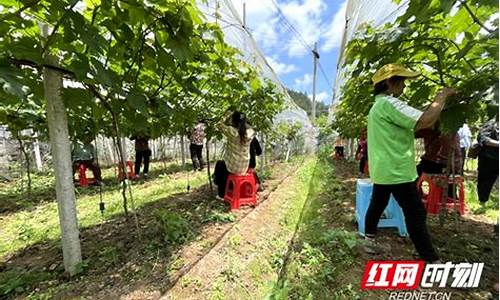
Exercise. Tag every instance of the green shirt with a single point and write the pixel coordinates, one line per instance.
(82, 152)
(391, 150)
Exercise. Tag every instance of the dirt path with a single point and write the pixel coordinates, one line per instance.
(238, 265)
(165, 273)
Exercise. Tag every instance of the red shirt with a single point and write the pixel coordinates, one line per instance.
(437, 146)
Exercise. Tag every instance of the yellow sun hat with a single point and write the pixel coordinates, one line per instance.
(391, 70)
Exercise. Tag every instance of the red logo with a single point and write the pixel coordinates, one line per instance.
(395, 275)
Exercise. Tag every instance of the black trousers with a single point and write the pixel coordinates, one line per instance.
(487, 174)
(220, 177)
(339, 150)
(429, 167)
(196, 156)
(464, 157)
(415, 215)
(139, 157)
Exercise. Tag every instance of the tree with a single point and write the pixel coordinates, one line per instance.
(127, 67)
(453, 43)
(61, 151)
(290, 132)
(303, 101)
(325, 128)
(466, 59)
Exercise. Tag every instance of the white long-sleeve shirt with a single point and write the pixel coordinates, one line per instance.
(465, 136)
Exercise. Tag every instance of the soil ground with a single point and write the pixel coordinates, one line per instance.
(120, 263)
(463, 239)
(300, 242)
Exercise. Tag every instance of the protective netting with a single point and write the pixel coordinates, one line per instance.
(235, 34)
(359, 13)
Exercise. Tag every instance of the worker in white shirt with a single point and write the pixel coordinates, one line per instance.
(465, 142)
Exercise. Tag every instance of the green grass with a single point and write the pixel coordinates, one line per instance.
(41, 223)
(490, 210)
(321, 254)
(166, 231)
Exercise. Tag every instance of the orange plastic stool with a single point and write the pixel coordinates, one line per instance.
(82, 176)
(241, 190)
(130, 170)
(432, 198)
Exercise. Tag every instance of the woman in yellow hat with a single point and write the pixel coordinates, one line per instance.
(391, 127)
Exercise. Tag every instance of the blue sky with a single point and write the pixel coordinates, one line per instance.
(320, 21)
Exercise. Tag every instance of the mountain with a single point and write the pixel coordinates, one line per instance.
(303, 101)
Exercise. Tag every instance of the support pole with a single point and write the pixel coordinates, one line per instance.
(60, 147)
(315, 62)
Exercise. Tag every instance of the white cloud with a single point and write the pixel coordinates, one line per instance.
(266, 34)
(303, 83)
(274, 34)
(281, 68)
(322, 97)
(305, 17)
(261, 18)
(333, 35)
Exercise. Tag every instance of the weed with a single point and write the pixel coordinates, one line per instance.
(109, 255)
(206, 244)
(278, 292)
(41, 224)
(221, 217)
(258, 268)
(346, 292)
(47, 294)
(187, 281)
(218, 289)
(18, 280)
(265, 174)
(175, 265)
(232, 271)
(234, 240)
(82, 267)
(174, 227)
(343, 241)
(491, 207)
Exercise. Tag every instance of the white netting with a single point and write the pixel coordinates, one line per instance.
(359, 13)
(236, 35)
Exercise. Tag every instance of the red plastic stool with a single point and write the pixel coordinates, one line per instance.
(432, 198)
(130, 170)
(82, 176)
(241, 190)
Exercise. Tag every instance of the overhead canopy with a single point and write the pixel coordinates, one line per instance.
(236, 35)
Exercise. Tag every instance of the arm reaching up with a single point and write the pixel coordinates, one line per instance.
(431, 115)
